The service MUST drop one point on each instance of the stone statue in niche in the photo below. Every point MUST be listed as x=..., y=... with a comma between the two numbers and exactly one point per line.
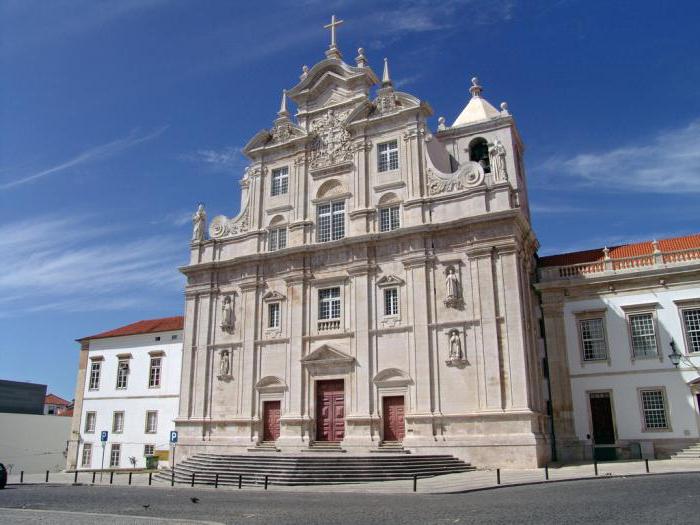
x=199, y=220
x=224, y=364
x=453, y=291
x=227, y=314
x=497, y=152
x=456, y=356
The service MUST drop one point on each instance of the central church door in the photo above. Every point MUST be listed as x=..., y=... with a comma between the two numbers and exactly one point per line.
x=330, y=410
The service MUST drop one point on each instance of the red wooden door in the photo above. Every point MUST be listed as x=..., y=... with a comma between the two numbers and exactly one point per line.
x=271, y=420
x=330, y=410
x=394, y=428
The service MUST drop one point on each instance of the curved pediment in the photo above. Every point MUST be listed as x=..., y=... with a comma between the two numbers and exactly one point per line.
x=392, y=377
x=271, y=384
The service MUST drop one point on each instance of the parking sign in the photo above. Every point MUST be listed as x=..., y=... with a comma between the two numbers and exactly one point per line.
x=103, y=435
x=173, y=436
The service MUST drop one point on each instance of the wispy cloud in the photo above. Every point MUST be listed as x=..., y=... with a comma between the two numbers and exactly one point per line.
x=552, y=209
x=667, y=163
x=90, y=155
x=224, y=159
x=53, y=263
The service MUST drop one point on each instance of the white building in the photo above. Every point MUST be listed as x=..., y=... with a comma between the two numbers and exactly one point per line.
x=128, y=385
x=610, y=316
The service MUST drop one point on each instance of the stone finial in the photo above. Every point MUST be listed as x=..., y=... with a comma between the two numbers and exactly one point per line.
x=655, y=246
x=386, y=79
x=476, y=89
x=504, y=108
x=606, y=254
x=283, y=105
x=304, y=71
x=441, y=123
x=361, y=59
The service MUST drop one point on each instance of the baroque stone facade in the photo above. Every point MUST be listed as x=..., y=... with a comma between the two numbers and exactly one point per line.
x=373, y=260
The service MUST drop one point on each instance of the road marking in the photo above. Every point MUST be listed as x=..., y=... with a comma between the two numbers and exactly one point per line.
x=119, y=518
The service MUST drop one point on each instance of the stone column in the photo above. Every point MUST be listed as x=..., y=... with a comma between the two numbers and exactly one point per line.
x=249, y=365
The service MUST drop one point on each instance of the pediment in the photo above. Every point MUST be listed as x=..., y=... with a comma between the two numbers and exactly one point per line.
x=271, y=384
x=327, y=355
x=273, y=296
x=390, y=280
x=261, y=138
x=392, y=377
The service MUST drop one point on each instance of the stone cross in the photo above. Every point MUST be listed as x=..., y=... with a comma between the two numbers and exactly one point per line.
x=334, y=23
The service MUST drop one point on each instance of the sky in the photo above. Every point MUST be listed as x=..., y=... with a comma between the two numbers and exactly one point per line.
x=118, y=117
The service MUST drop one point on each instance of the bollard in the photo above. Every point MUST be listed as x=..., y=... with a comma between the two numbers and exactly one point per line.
x=265, y=482
x=240, y=480
x=21, y=477
x=415, y=482
x=75, y=477
x=172, y=478
x=646, y=464
x=47, y=476
x=498, y=476
x=546, y=471
x=150, y=478
x=595, y=467
x=111, y=477
x=192, y=484
x=93, y=477
x=216, y=481
x=129, y=478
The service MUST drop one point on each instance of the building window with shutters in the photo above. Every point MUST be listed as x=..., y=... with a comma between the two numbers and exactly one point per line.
x=388, y=156
x=122, y=373
x=642, y=330
x=118, y=422
x=154, y=372
x=329, y=309
x=148, y=450
x=330, y=221
x=90, y=422
x=115, y=453
x=391, y=302
x=95, y=369
x=691, y=328
x=151, y=422
x=86, y=459
x=280, y=181
x=273, y=315
x=654, y=410
x=277, y=239
x=389, y=218
x=594, y=346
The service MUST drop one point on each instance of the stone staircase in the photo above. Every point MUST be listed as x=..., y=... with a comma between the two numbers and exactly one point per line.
x=310, y=469
x=691, y=452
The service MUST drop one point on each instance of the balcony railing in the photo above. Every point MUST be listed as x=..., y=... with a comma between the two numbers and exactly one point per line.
x=329, y=325
x=619, y=265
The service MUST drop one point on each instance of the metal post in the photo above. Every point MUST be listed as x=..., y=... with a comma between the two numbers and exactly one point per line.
x=546, y=471
x=415, y=482
x=130, y=478
x=192, y=484
x=93, y=477
x=240, y=480
x=595, y=466
x=150, y=478
x=498, y=476
x=646, y=464
x=216, y=481
x=172, y=478
x=75, y=477
x=21, y=477
x=265, y=482
x=111, y=477
x=47, y=476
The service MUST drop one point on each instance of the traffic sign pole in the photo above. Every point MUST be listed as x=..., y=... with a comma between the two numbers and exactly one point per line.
x=104, y=435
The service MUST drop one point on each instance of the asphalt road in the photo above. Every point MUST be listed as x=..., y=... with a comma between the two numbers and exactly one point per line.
x=650, y=499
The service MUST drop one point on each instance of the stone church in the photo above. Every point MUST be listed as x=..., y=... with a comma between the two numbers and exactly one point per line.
x=374, y=290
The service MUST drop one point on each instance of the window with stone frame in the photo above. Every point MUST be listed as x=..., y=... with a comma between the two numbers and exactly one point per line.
x=654, y=411
x=691, y=326
x=151, y=422
x=86, y=459
x=280, y=181
x=391, y=301
x=388, y=156
x=90, y=422
x=594, y=346
x=642, y=329
x=273, y=315
x=95, y=369
x=118, y=422
x=329, y=304
x=277, y=239
x=330, y=221
x=115, y=453
x=149, y=449
x=122, y=373
x=389, y=218
x=154, y=372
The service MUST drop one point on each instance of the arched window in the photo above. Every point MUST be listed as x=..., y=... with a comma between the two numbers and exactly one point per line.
x=277, y=234
x=389, y=212
x=479, y=152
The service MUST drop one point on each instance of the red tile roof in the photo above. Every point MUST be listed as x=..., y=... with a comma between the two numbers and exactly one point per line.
x=52, y=399
x=147, y=326
x=626, y=250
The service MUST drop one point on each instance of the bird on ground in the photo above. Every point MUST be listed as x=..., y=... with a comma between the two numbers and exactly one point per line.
x=194, y=500
x=146, y=506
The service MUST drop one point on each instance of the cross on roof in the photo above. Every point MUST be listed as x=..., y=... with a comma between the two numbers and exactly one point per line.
x=334, y=23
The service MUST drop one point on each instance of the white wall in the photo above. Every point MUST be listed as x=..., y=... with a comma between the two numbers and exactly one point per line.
x=623, y=376
x=33, y=443
x=135, y=400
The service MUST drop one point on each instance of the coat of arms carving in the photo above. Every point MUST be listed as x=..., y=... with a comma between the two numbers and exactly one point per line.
x=332, y=142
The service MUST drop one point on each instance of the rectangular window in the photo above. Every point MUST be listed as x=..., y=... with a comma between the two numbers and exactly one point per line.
x=329, y=304
x=593, y=339
x=278, y=239
x=115, y=455
x=273, y=315
x=95, y=368
x=391, y=301
x=90, y=421
x=691, y=323
x=389, y=218
x=151, y=422
x=154, y=373
x=654, y=409
x=86, y=460
x=148, y=450
x=388, y=156
x=643, y=335
x=122, y=373
x=118, y=422
x=331, y=221
x=280, y=181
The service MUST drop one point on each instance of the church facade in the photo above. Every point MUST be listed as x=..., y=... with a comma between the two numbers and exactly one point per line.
x=375, y=287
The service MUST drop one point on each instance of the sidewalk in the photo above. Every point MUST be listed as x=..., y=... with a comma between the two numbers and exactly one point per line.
x=449, y=483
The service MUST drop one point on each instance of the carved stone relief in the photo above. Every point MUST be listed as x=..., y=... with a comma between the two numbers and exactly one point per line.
x=469, y=175
x=227, y=314
x=224, y=365
x=332, y=144
x=453, y=289
x=456, y=355
x=497, y=153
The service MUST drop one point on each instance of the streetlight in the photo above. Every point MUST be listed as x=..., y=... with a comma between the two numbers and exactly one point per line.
x=675, y=356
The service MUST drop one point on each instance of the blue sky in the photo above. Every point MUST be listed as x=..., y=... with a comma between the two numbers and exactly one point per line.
x=116, y=118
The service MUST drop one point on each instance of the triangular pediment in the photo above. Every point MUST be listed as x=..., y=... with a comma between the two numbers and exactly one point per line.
x=390, y=280
x=272, y=296
x=327, y=355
